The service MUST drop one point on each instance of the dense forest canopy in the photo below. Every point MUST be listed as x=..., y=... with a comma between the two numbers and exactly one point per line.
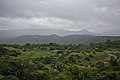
x=94, y=61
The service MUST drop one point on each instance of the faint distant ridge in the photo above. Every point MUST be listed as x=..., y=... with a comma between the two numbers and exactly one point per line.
x=84, y=31
x=7, y=34
x=55, y=35
x=70, y=39
x=111, y=33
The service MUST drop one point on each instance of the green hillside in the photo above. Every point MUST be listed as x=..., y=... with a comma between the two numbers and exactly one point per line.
x=70, y=39
x=94, y=61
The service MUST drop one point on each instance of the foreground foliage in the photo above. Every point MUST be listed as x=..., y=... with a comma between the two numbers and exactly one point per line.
x=52, y=61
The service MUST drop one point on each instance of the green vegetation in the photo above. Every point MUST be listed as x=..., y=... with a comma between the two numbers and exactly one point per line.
x=70, y=39
x=94, y=61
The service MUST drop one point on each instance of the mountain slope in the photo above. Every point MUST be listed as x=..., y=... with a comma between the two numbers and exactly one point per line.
x=70, y=39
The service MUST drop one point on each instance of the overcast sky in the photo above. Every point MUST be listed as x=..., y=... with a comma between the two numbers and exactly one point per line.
x=93, y=15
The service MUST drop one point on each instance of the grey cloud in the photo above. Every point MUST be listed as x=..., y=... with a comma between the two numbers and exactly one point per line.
x=34, y=23
x=94, y=15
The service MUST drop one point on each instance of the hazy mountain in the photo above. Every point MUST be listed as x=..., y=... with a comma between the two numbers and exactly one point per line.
x=8, y=34
x=62, y=36
x=111, y=33
x=70, y=39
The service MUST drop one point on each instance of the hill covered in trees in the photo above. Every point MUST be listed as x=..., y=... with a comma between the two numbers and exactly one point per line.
x=70, y=39
x=94, y=61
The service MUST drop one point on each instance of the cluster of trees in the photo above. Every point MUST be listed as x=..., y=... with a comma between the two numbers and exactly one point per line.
x=61, y=65
x=107, y=45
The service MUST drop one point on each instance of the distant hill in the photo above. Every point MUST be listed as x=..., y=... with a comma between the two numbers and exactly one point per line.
x=43, y=31
x=70, y=39
x=5, y=35
x=9, y=34
x=111, y=33
x=61, y=36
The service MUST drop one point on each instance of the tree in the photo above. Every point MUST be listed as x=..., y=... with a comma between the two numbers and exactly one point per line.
x=28, y=44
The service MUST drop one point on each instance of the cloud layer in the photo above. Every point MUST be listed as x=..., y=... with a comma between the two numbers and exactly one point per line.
x=93, y=15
